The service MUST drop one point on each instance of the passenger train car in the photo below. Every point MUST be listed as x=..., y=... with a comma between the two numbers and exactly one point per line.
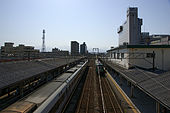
x=99, y=68
x=51, y=97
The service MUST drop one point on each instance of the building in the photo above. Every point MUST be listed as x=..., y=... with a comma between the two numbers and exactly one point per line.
x=141, y=60
x=55, y=50
x=130, y=31
x=143, y=56
x=83, y=49
x=54, y=54
x=160, y=39
x=74, y=48
x=19, y=52
x=60, y=52
x=138, y=49
x=145, y=38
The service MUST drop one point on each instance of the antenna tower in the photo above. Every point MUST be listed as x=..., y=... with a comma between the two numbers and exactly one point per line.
x=43, y=39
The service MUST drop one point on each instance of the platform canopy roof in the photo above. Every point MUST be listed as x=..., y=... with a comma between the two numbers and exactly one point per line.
x=155, y=85
x=15, y=72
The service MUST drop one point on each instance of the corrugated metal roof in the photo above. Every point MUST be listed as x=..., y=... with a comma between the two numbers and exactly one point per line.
x=12, y=72
x=157, y=86
x=139, y=46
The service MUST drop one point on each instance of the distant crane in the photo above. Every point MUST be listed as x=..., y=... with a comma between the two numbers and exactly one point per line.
x=43, y=43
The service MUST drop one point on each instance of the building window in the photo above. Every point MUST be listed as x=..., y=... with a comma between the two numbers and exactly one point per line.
x=110, y=54
x=118, y=55
x=122, y=55
x=149, y=55
x=114, y=55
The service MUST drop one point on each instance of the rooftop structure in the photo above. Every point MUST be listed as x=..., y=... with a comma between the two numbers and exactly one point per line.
x=160, y=39
x=145, y=38
x=55, y=53
x=157, y=39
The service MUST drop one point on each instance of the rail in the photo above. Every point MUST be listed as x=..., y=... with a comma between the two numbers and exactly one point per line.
x=112, y=105
x=104, y=101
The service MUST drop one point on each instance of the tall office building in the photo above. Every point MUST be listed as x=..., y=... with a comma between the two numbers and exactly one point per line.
x=74, y=48
x=83, y=49
x=130, y=31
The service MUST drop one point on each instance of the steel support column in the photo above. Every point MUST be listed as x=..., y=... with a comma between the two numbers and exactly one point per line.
x=65, y=68
x=128, y=83
x=132, y=90
x=21, y=89
x=121, y=81
x=8, y=91
x=157, y=107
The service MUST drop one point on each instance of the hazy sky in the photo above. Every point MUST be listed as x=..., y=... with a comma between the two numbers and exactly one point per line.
x=92, y=21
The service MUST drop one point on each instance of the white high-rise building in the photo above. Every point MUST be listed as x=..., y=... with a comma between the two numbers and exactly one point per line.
x=130, y=31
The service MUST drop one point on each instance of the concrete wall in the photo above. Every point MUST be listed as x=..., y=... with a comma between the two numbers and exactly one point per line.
x=162, y=56
x=138, y=57
x=124, y=34
x=123, y=62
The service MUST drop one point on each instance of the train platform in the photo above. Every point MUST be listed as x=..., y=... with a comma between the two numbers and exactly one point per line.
x=154, y=85
x=124, y=100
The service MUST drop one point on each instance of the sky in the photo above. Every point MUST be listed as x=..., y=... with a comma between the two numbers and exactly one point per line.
x=92, y=21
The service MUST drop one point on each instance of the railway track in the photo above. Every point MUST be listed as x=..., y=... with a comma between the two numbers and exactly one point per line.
x=97, y=95
x=110, y=100
x=90, y=101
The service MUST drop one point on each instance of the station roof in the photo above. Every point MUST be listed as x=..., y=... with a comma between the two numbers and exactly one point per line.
x=14, y=72
x=139, y=46
x=155, y=85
